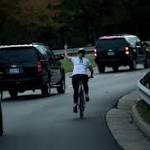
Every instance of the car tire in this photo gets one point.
(115, 68)
(13, 93)
(61, 88)
(101, 69)
(133, 65)
(46, 90)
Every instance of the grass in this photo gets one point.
(68, 65)
(144, 110)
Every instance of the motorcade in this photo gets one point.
(120, 50)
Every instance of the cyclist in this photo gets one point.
(80, 66)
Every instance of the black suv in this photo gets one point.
(30, 67)
(120, 50)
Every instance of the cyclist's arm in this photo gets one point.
(67, 56)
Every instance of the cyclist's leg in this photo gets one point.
(86, 87)
(75, 84)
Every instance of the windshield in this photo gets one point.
(111, 43)
(18, 55)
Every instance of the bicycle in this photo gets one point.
(81, 99)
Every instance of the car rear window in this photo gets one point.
(111, 43)
(18, 55)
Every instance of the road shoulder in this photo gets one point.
(122, 126)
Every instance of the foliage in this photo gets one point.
(144, 110)
(78, 22)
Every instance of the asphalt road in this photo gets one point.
(36, 123)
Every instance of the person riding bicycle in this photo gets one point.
(80, 66)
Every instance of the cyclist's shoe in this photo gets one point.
(75, 109)
(87, 99)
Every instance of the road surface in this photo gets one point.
(35, 123)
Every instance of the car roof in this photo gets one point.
(19, 45)
(13, 46)
(126, 36)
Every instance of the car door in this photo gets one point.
(55, 66)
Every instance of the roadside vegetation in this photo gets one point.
(68, 65)
(144, 110)
(54, 22)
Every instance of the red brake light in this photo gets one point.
(39, 66)
(126, 48)
(127, 51)
(95, 52)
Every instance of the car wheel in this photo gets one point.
(115, 68)
(46, 90)
(13, 93)
(61, 88)
(133, 65)
(101, 69)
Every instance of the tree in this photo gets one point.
(92, 18)
(78, 22)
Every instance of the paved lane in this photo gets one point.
(32, 122)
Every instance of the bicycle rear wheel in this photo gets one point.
(81, 105)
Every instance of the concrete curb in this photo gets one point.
(142, 125)
(122, 126)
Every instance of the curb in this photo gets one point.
(123, 126)
(138, 120)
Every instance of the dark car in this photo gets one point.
(120, 50)
(30, 67)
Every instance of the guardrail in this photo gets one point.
(144, 88)
(73, 50)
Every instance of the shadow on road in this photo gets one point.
(119, 71)
(27, 97)
(85, 118)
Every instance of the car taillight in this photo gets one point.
(1, 73)
(95, 52)
(127, 51)
(39, 66)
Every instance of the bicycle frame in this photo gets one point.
(81, 99)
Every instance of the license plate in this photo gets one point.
(14, 70)
(110, 53)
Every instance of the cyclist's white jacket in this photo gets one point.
(80, 66)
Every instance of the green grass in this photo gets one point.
(144, 110)
(68, 65)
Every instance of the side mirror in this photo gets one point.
(143, 43)
(138, 44)
(59, 57)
